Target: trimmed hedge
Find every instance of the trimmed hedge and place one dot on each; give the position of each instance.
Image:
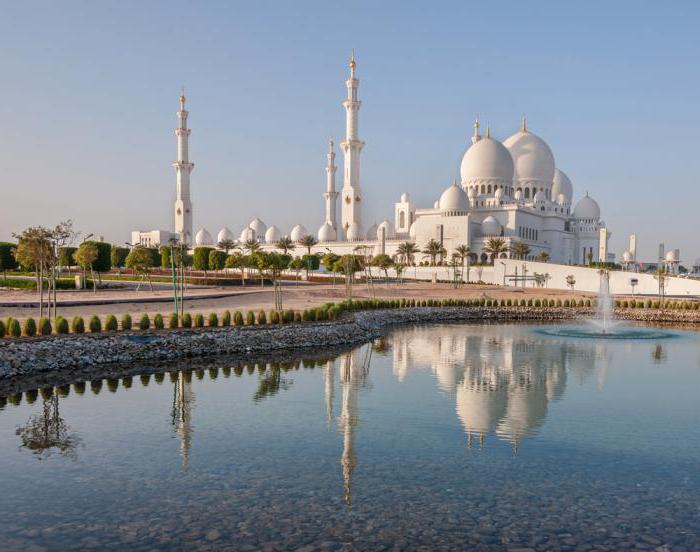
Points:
(95, 324)
(61, 325)
(78, 325)
(2, 329)
(158, 323)
(213, 320)
(199, 320)
(238, 318)
(29, 327)
(111, 324)
(173, 321)
(126, 322)
(187, 320)
(145, 322)
(226, 319)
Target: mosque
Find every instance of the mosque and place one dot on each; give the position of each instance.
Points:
(510, 189)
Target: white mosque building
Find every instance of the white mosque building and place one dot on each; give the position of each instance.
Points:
(510, 189)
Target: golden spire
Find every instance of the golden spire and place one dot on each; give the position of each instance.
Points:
(352, 60)
(488, 131)
(523, 124)
(476, 126)
(182, 94)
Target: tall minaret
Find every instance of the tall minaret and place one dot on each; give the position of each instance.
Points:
(183, 168)
(351, 146)
(330, 194)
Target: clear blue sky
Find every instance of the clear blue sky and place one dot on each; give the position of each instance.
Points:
(89, 92)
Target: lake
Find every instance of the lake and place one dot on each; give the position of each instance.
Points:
(443, 437)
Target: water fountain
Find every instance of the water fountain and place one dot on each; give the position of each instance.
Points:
(604, 325)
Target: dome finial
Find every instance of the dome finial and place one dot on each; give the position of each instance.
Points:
(182, 95)
(523, 124)
(488, 131)
(330, 146)
(475, 136)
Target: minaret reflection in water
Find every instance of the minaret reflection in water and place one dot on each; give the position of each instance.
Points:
(183, 401)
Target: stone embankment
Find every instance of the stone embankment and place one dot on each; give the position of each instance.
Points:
(31, 356)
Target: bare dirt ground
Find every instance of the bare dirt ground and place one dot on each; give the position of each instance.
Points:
(254, 298)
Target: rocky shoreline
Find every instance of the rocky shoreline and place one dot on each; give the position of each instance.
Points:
(92, 354)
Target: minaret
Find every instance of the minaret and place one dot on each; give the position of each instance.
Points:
(476, 137)
(352, 146)
(330, 194)
(183, 168)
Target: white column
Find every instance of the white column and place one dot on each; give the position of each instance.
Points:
(352, 146)
(183, 168)
(330, 194)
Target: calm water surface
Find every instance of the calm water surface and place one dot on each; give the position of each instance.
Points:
(453, 436)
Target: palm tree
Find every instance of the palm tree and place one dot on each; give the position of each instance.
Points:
(433, 249)
(286, 244)
(251, 246)
(463, 251)
(521, 250)
(495, 247)
(308, 241)
(407, 251)
(227, 245)
(543, 257)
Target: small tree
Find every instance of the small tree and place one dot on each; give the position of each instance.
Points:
(433, 249)
(571, 281)
(543, 257)
(521, 250)
(201, 258)
(227, 245)
(495, 247)
(217, 260)
(7, 257)
(383, 262)
(85, 256)
(308, 241)
(119, 255)
(140, 260)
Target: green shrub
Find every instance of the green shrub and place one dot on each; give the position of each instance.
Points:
(262, 319)
(333, 313)
(288, 316)
(2, 329)
(321, 314)
(111, 324)
(126, 322)
(298, 316)
(213, 320)
(308, 315)
(61, 325)
(250, 318)
(537, 303)
(173, 321)
(238, 318)
(226, 319)
(566, 303)
(274, 317)
(44, 326)
(187, 320)
(589, 303)
(29, 327)
(199, 320)
(158, 323)
(95, 324)
(77, 325)
(145, 322)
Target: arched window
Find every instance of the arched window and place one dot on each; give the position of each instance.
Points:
(527, 193)
(483, 189)
(402, 219)
(488, 190)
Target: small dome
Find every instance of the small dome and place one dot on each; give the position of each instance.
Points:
(225, 235)
(203, 237)
(487, 159)
(372, 232)
(436, 205)
(259, 227)
(405, 197)
(671, 257)
(490, 227)
(626, 257)
(540, 197)
(412, 231)
(297, 233)
(453, 199)
(532, 158)
(562, 185)
(388, 229)
(354, 232)
(326, 233)
(247, 234)
(587, 208)
(273, 234)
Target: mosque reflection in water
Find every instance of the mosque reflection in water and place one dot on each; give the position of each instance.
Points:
(502, 382)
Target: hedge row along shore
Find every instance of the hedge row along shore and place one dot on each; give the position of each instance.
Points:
(329, 311)
(21, 358)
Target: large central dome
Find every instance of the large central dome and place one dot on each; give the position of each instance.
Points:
(486, 161)
(533, 159)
